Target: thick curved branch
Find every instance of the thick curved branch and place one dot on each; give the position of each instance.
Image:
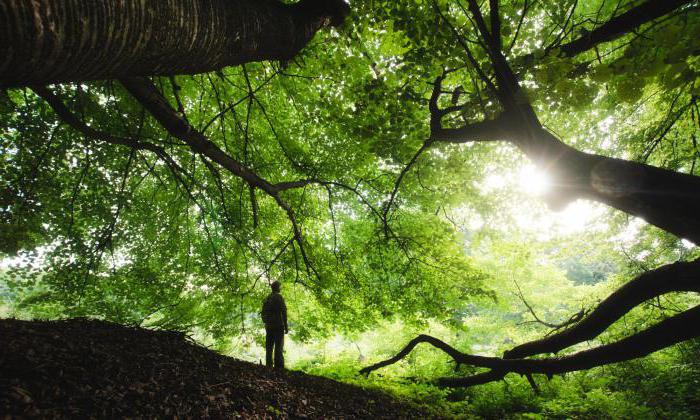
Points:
(676, 329)
(456, 355)
(677, 277)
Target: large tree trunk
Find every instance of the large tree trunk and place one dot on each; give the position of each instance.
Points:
(664, 198)
(53, 41)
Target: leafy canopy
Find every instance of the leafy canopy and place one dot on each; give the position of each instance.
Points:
(103, 230)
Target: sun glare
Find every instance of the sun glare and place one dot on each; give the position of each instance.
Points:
(577, 216)
(533, 181)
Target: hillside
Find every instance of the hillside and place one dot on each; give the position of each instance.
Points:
(79, 368)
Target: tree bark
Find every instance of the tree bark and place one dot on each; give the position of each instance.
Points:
(55, 41)
(667, 199)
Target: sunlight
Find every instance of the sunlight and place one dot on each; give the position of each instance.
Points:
(493, 182)
(577, 216)
(533, 181)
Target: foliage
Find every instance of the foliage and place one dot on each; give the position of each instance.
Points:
(94, 229)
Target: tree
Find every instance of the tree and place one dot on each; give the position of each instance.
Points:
(183, 204)
(215, 35)
(169, 200)
(55, 41)
(665, 198)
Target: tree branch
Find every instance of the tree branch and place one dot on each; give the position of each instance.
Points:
(76, 123)
(677, 277)
(555, 327)
(680, 276)
(387, 207)
(489, 130)
(495, 24)
(150, 98)
(622, 24)
(676, 329)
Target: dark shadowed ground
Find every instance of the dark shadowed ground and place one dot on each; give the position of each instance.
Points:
(79, 368)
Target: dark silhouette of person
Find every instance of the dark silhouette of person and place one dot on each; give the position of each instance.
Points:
(274, 315)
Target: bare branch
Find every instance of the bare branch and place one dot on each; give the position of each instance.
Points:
(387, 207)
(520, 295)
(666, 333)
(555, 327)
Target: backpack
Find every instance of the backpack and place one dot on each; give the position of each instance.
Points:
(268, 310)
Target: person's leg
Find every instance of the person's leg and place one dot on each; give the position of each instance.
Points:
(279, 349)
(269, 344)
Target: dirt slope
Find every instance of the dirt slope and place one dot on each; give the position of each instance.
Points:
(79, 368)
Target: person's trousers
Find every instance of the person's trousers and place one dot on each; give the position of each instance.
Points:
(274, 341)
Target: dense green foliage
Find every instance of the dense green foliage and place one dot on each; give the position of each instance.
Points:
(95, 229)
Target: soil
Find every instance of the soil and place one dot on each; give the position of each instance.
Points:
(87, 368)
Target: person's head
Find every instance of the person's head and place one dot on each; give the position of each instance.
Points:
(275, 286)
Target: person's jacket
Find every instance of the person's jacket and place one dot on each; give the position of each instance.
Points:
(274, 312)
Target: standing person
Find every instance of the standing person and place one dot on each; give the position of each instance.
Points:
(274, 315)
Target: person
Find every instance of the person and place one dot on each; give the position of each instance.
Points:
(274, 315)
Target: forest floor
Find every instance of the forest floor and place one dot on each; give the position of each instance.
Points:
(87, 368)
